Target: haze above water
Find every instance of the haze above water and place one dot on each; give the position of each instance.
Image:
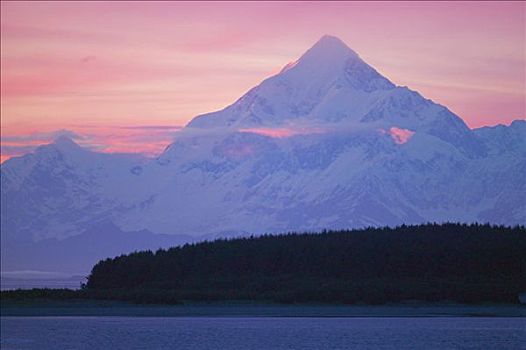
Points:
(261, 333)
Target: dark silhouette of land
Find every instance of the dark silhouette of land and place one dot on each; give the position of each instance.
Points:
(428, 263)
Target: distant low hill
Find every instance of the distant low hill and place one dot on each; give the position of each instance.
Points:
(432, 262)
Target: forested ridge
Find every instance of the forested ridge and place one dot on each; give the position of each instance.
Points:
(432, 262)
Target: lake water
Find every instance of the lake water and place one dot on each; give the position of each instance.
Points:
(262, 333)
(14, 283)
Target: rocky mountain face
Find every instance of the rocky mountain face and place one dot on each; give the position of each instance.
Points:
(327, 143)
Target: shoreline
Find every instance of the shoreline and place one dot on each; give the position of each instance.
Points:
(86, 308)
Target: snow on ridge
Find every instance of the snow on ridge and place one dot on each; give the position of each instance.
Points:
(338, 147)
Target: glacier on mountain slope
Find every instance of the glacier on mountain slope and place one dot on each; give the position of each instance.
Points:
(310, 148)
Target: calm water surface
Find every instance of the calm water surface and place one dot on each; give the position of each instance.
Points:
(262, 333)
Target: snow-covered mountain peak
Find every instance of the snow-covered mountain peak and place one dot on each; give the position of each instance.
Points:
(65, 142)
(331, 88)
(328, 50)
(325, 84)
(505, 139)
(61, 146)
(331, 63)
(328, 41)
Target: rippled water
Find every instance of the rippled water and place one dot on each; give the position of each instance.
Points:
(262, 333)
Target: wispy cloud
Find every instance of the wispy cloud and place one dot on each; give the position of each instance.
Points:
(151, 127)
(284, 132)
(150, 140)
(40, 137)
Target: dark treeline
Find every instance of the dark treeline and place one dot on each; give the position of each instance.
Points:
(432, 262)
(136, 296)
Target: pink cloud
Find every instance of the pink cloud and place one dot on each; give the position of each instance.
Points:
(283, 132)
(399, 135)
(149, 140)
(269, 132)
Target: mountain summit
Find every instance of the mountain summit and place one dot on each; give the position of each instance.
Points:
(328, 76)
(328, 143)
(331, 46)
(328, 54)
(330, 59)
(331, 87)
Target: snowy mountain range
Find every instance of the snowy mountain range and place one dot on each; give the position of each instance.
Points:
(327, 143)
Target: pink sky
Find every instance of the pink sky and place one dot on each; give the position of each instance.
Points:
(122, 75)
